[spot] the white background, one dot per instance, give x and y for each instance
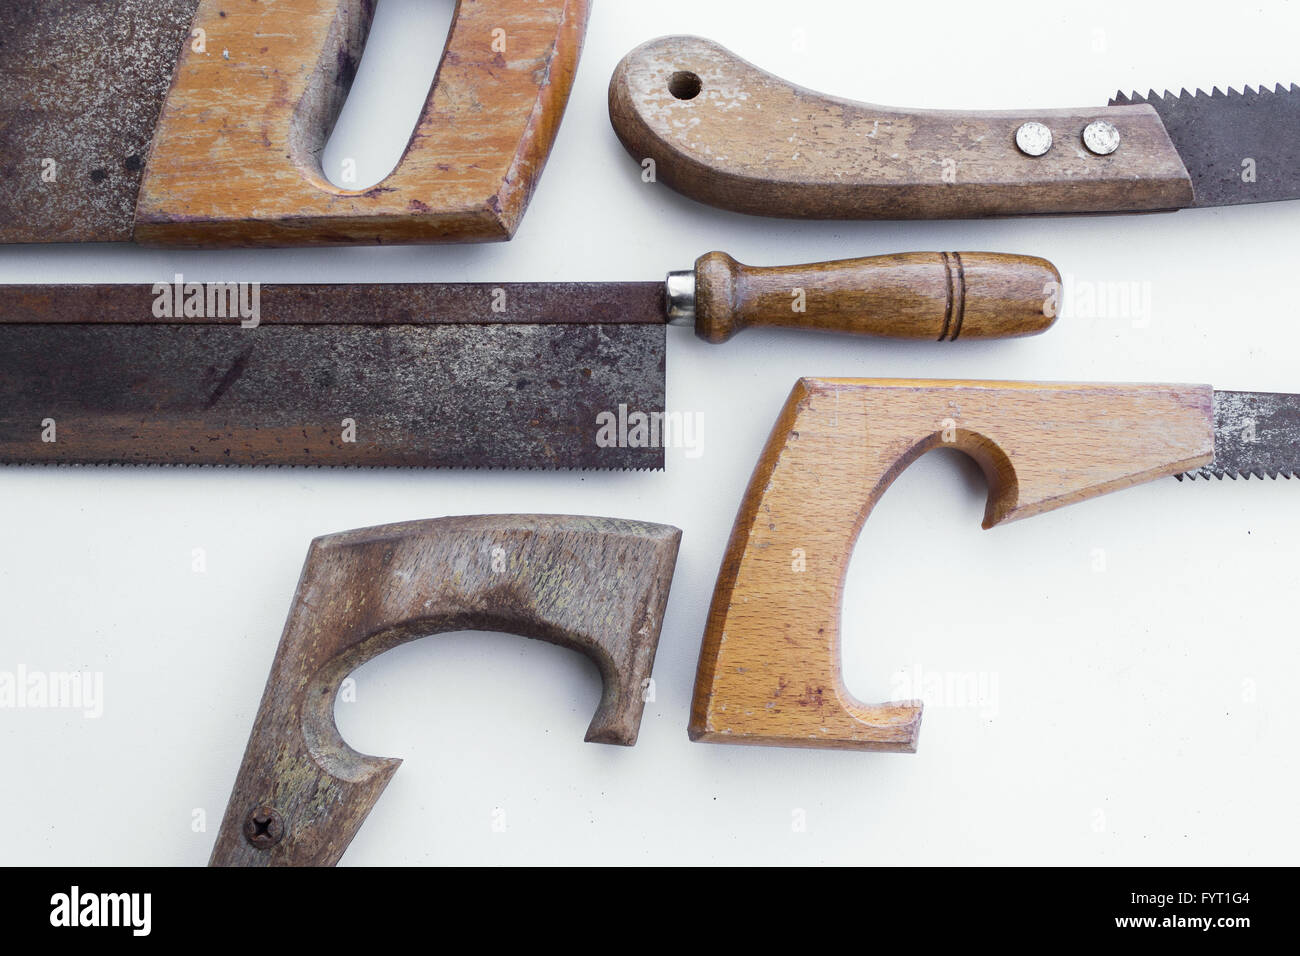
(1144, 713)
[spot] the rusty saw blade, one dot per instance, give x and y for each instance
(81, 86)
(1237, 147)
(1255, 433)
(563, 376)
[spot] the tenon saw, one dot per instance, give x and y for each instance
(550, 375)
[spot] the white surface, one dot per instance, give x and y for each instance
(1143, 714)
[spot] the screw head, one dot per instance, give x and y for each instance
(1033, 139)
(263, 827)
(1101, 137)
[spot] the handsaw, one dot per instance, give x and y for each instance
(726, 133)
(202, 122)
(769, 669)
(476, 375)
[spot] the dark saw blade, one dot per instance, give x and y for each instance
(1255, 433)
(1237, 147)
(422, 376)
(81, 85)
(362, 303)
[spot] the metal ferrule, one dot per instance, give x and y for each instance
(681, 298)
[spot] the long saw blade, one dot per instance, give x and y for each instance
(81, 86)
(1237, 147)
(1255, 433)
(423, 376)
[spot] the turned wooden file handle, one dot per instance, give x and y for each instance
(596, 585)
(726, 133)
(941, 296)
(769, 669)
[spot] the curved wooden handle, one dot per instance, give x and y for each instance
(236, 153)
(597, 585)
(769, 669)
(726, 133)
(918, 295)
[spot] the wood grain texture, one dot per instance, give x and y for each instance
(596, 585)
(769, 669)
(919, 295)
(726, 133)
(236, 155)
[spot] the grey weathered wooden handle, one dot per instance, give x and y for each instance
(597, 585)
(726, 133)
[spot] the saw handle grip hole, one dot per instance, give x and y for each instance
(385, 102)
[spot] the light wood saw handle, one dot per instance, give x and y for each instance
(236, 153)
(726, 133)
(940, 296)
(769, 669)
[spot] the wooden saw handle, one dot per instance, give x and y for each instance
(919, 295)
(726, 133)
(235, 159)
(769, 669)
(596, 585)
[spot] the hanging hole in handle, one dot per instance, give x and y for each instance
(685, 85)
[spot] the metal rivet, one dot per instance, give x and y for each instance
(1033, 139)
(263, 827)
(1101, 137)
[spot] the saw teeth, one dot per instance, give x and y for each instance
(1210, 471)
(1215, 93)
(1247, 92)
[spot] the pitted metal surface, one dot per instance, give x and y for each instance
(450, 396)
(81, 85)
(1255, 433)
(1237, 147)
(392, 303)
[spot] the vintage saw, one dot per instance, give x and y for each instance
(557, 375)
(202, 122)
(727, 133)
(769, 669)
